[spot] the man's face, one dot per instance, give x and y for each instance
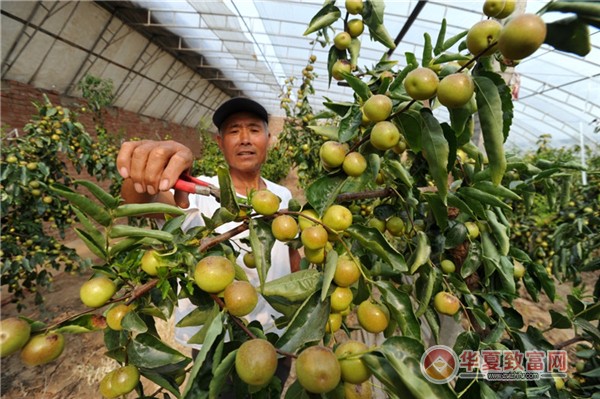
(244, 139)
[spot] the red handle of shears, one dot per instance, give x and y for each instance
(192, 185)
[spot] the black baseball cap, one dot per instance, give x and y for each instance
(238, 104)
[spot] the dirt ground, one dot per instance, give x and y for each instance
(77, 372)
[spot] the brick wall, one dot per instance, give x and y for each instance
(17, 109)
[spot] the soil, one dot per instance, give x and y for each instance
(76, 374)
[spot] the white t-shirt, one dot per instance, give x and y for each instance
(280, 260)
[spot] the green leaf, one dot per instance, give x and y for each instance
(330, 132)
(435, 151)
(546, 280)
(438, 208)
(200, 315)
(160, 380)
(454, 39)
(425, 285)
(439, 43)
(121, 230)
(354, 50)
(400, 308)
(133, 322)
(131, 210)
(380, 34)
(559, 320)
(214, 332)
(455, 201)
(455, 236)
(148, 351)
(323, 192)
(372, 240)
(404, 354)
(588, 328)
(359, 87)
(489, 108)
(82, 324)
(412, 129)
(220, 375)
(499, 231)
(350, 124)
(296, 391)
(497, 190)
(427, 49)
(329, 271)
(590, 8)
(400, 172)
(422, 251)
(325, 17)
(227, 194)
(482, 197)
(373, 13)
(308, 325)
(295, 287)
(91, 243)
(339, 108)
(385, 373)
(570, 35)
(261, 241)
(86, 205)
(105, 198)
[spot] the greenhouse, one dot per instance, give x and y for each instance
(297, 199)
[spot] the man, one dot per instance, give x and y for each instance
(151, 168)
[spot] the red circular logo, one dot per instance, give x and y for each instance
(439, 364)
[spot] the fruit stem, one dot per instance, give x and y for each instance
(210, 242)
(476, 57)
(241, 324)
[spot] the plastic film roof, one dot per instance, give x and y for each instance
(257, 45)
(178, 60)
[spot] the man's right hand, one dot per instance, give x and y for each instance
(151, 168)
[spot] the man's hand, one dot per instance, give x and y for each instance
(151, 168)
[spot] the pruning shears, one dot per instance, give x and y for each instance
(193, 185)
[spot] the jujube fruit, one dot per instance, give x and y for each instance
(522, 36)
(337, 217)
(97, 291)
(342, 40)
(314, 237)
(341, 298)
(372, 317)
(213, 273)
(339, 67)
(304, 222)
(265, 202)
(14, 334)
(354, 6)
(352, 367)
(378, 108)
(115, 315)
(42, 349)
(354, 164)
(334, 322)
(332, 154)
(240, 298)
(256, 362)
(482, 35)
(421, 83)
(284, 228)
(317, 369)
(356, 27)
(455, 90)
(384, 135)
(446, 303)
(346, 272)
